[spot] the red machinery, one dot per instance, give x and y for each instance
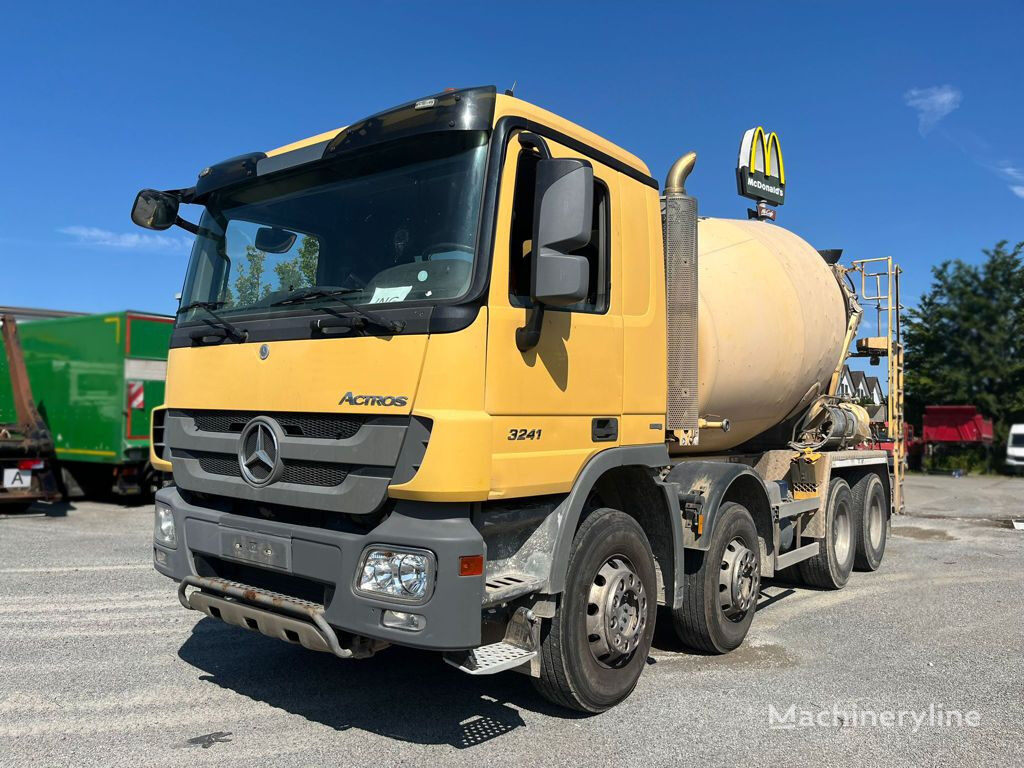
(960, 424)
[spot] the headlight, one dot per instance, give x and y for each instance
(163, 527)
(397, 574)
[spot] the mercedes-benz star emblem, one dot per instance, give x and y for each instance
(259, 453)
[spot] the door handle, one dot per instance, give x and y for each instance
(604, 430)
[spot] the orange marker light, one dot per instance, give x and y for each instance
(471, 565)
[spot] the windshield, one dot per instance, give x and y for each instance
(1017, 440)
(388, 224)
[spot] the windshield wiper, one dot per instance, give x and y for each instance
(308, 294)
(230, 330)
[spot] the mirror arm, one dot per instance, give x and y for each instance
(528, 336)
(536, 142)
(188, 226)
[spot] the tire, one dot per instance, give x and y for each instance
(831, 567)
(871, 513)
(577, 671)
(704, 622)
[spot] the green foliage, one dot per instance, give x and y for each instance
(972, 459)
(964, 340)
(248, 287)
(299, 272)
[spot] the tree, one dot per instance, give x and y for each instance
(299, 272)
(963, 342)
(248, 281)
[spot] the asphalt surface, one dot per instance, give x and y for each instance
(100, 665)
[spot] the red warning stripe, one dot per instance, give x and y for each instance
(136, 395)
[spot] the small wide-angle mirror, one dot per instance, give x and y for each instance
(274, 240)
(154, 209)
(565, 189)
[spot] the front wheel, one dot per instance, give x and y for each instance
(594, 649)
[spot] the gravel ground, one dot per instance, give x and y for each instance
(99, 665)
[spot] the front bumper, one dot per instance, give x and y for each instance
(330, 558)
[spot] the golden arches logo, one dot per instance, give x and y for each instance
(766, 142)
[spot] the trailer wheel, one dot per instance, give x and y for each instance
(831, 567)
(871, 514)
(721, 585)
(596, 646)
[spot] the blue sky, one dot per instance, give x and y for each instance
(900, 123)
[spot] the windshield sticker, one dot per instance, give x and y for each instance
(388, 295)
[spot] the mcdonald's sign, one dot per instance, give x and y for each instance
(760, 174)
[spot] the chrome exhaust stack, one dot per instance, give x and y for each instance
(679, 226)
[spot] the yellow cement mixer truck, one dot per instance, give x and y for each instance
(458, 376)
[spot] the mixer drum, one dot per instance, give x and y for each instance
(771, 322)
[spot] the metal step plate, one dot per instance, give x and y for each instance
(490, 659)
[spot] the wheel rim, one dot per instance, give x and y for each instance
(875, 520)
(739, 580)
(841, 539)
(616, 612)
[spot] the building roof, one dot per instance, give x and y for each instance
(858, 378)
(874, 382)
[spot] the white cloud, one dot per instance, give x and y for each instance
(1010, 171)
(126, 241)
(932, 104)
(1012, 174)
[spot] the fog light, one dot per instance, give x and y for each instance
(396, 574)
(163, 527)
(410, 622)
(160, 556)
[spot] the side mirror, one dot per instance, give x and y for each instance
(273, 240)
(154, 209)
(563, 216)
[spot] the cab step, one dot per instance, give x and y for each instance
(490, 659)
(509, 586)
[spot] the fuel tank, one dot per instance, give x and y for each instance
(771, 321)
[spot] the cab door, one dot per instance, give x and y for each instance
(558, 404)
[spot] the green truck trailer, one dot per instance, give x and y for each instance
(96, 380)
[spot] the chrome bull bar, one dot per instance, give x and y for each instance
(270, 613)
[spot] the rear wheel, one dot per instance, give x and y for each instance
(871, 513)
(594, 649)
(831, 567)
(721, 585)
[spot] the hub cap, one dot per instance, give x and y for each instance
(875, 520)
(739, 580)
(841, 535)
(616, 612)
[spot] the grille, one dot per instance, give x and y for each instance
(323, 426)
(313, 473)
(218, 463)
(298, 472)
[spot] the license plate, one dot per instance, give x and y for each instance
(17, 478)
(259, 548)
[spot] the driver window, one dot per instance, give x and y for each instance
(521, 243)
